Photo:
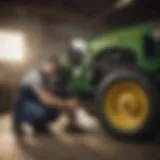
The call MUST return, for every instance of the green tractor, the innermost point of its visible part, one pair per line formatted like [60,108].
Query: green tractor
[120,73]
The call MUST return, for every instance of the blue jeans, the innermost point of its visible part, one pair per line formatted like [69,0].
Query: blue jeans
[29,110]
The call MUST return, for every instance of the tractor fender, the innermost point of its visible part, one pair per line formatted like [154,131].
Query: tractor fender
[117,54]
[109,58]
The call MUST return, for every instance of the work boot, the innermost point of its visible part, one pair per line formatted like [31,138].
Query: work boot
[72,127]
[86,121]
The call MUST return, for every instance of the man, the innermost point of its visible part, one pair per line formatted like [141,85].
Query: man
[36,103]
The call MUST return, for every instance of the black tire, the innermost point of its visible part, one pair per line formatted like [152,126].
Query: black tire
[129,74]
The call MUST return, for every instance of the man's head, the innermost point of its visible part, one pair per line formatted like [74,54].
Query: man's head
[51,64]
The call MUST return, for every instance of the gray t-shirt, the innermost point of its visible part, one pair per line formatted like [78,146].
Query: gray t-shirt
[38,80]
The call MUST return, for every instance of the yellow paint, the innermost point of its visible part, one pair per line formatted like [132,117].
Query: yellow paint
[126,105]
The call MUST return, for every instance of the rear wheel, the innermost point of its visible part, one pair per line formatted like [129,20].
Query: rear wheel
[127,103]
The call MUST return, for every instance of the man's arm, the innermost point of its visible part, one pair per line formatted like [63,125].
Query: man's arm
[54,101]
[49,99]
[34,79]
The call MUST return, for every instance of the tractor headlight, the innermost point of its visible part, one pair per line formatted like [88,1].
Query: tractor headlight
[79,44]
[76,52]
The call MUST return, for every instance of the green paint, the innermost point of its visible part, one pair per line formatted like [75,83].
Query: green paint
[126,38]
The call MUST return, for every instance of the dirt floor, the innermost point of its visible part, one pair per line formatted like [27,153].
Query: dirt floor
[91,146]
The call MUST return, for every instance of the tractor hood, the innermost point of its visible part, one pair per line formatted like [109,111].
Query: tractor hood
[119,38]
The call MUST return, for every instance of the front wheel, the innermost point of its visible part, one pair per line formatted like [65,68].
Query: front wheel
[127,103]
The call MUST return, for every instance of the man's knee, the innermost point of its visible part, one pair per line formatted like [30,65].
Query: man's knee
[39,115]
[34,112]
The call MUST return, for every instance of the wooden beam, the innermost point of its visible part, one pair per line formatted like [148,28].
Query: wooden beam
[51,11]
[100,18]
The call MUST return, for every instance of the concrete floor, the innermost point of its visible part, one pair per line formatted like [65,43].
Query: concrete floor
[93,146]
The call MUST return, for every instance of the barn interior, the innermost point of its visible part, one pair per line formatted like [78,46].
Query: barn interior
[33,30]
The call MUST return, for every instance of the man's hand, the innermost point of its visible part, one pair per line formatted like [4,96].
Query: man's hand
[71,103]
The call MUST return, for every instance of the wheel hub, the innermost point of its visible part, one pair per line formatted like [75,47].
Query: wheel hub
[126,105]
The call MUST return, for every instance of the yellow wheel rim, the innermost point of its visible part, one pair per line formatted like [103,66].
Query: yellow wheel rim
[126,106]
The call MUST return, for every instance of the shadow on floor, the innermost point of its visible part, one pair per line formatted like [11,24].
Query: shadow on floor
[48,148]
[92,146]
